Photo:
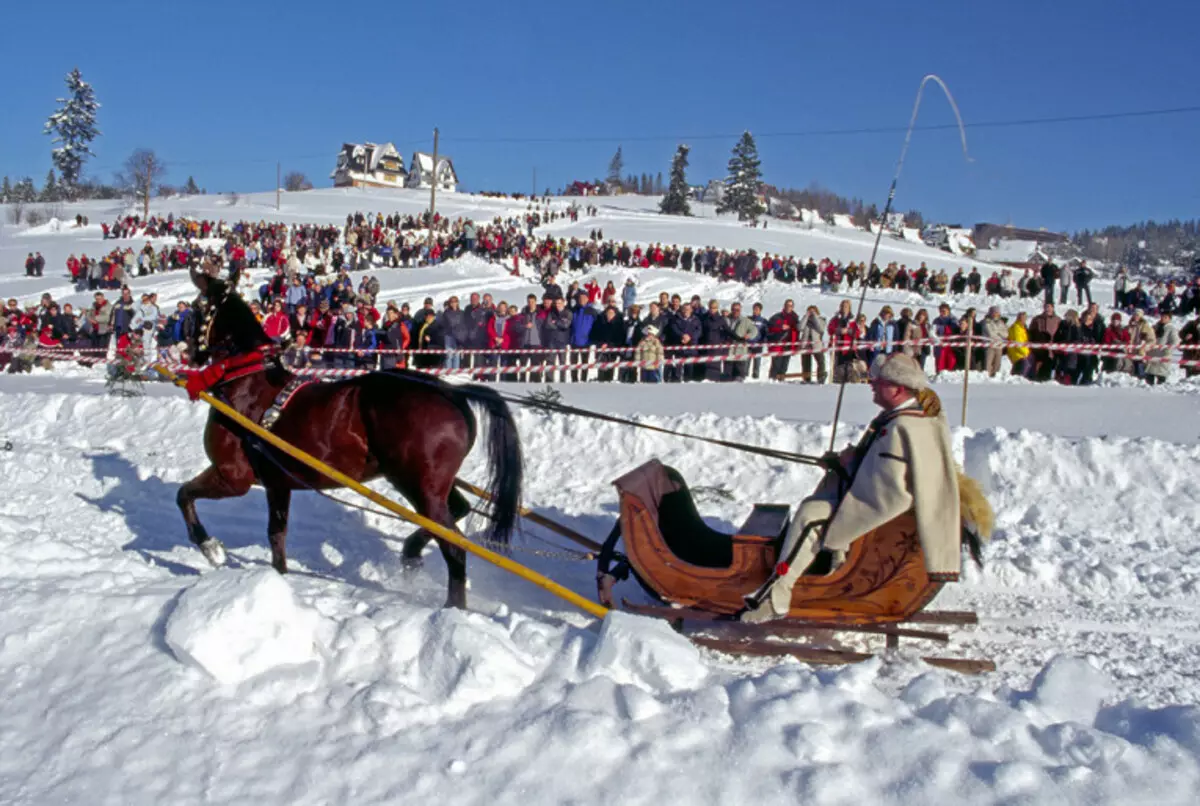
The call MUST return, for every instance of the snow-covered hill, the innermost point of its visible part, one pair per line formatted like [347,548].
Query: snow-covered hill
[631,218]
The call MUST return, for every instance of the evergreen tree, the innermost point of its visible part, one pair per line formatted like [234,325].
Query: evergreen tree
[74,127]
[744,181]
[191,188]
[630,184]
[615,166]
[6,192]
[644,187]
[658,184]
[25,192]
[676,200]
[50,190]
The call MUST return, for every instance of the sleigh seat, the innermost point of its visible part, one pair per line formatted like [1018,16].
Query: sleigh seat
[681,559]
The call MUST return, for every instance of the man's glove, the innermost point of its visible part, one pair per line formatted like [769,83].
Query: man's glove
[832,462]
[203,379]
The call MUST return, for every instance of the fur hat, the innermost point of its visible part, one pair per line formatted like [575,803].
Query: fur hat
[650,330]
[900,369]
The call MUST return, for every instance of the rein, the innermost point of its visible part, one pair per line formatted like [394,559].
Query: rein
[563,408]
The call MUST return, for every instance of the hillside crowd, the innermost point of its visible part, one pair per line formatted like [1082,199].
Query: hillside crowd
[311,306]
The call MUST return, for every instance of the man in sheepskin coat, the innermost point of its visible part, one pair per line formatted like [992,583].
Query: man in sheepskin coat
[903,462]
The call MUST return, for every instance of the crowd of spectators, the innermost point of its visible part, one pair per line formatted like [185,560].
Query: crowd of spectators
[312,308]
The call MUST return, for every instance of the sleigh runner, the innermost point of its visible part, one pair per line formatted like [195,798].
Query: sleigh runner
[704,575]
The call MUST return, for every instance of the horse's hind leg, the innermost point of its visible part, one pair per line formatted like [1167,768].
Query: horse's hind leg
[211,484]
[444,512]
[415,544]
[279,501]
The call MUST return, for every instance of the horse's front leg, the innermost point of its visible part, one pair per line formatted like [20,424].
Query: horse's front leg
[279,500]
[211,484]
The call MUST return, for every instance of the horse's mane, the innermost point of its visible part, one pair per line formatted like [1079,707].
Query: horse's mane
[237,320]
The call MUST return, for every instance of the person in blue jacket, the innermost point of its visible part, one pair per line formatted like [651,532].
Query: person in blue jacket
[883,329]
[583,316]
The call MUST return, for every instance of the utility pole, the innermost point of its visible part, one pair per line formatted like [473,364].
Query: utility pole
[434,181]
[277,175]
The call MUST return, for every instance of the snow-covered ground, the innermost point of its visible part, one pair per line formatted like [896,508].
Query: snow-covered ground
[136,675]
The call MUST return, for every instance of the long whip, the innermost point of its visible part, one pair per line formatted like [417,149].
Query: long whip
[862,298]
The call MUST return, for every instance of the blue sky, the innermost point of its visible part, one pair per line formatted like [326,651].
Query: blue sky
[221,90]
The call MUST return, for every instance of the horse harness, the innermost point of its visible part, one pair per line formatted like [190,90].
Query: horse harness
[240,366]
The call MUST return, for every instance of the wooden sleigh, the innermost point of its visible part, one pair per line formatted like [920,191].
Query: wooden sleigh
[704,575]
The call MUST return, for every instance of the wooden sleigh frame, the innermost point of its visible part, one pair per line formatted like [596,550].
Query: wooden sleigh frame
[704,575]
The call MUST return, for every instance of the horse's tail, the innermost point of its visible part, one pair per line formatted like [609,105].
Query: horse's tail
[504,459]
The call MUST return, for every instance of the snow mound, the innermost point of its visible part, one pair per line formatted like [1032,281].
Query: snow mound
[1070,689]
[644,652]
[49,228]
[235,625]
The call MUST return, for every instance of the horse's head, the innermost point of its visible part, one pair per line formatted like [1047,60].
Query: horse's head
[226,325]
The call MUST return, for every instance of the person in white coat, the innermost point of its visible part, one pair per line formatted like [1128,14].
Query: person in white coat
[903,463]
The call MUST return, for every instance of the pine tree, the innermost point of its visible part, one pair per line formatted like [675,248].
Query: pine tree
[191,188]
[644,187]
[25,192]
[658,184]
[676,200]
[50,190]
[6,192]
[74,125]
[631,184]
[615,166]
[744,181]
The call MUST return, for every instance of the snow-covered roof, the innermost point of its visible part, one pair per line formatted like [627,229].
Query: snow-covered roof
[424,163]
[384,150]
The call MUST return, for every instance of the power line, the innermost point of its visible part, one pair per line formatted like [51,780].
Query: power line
[843,132]
[993,124]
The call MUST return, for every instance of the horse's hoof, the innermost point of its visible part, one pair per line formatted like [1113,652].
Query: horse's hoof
[213,551]
[412,563]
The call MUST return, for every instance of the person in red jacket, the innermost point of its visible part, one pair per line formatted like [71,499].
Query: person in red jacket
[843,333]
[276,325]
[783,332]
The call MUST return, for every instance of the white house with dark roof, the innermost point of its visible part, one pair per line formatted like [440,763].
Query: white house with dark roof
[369,165]
[420,173]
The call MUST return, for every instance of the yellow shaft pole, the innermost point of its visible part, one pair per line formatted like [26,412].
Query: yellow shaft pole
[435,528]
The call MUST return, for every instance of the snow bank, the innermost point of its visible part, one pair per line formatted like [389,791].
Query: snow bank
[1095,515]
[235,625]
[646,653]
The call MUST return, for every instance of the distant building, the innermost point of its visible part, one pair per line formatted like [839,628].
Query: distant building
[421,174]
[714,192]
[950,238]
[985,235]
[578,188]
[369,165]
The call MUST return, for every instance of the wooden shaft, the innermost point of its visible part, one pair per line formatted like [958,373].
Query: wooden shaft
[433,527]
[534,517]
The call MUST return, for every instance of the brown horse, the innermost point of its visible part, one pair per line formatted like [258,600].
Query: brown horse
[414,430]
